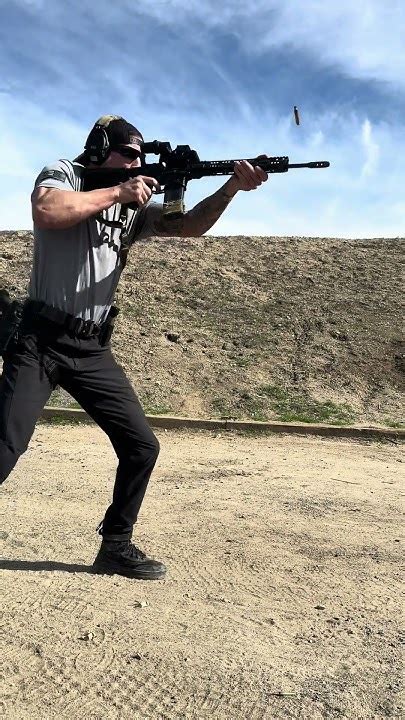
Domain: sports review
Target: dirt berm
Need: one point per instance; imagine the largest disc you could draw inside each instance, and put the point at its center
(256, 328)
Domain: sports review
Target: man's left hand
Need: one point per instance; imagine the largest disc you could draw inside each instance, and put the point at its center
(246, 177)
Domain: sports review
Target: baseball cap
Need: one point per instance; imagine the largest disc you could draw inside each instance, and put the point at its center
(118, 130)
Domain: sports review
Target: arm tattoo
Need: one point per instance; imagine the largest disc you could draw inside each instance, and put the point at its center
(198, 220)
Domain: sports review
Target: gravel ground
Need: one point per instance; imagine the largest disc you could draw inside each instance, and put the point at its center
(281, 598)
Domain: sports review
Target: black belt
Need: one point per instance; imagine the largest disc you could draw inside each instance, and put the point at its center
(75, 326)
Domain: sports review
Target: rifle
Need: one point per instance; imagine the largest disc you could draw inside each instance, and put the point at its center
(176, 167)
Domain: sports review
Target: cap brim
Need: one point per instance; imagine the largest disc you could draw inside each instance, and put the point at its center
(134, 146)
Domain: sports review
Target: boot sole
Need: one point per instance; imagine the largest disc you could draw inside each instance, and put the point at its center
(111, 569)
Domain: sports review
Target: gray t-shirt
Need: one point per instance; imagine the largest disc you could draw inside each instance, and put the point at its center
(77, 269)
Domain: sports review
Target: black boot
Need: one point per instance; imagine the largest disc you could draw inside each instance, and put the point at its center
(121, 557)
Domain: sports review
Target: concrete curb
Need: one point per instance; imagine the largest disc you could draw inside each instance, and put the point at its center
(181, 423)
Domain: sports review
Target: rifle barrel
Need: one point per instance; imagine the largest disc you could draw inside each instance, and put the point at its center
(314, 164)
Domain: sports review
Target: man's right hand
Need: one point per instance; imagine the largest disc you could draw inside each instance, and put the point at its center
(137, 190)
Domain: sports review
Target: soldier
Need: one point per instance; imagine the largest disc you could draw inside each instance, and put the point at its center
(81, 240)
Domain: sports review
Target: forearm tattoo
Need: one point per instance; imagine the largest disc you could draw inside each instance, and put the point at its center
(198, 220)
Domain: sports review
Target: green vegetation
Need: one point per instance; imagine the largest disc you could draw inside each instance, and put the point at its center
(221, 407)
(238, 405)
(259, 416)
(63, 420)
(156, 409)
(272, 401)
(263, 403)
(392, 423)
(302, 408)
(59, 400)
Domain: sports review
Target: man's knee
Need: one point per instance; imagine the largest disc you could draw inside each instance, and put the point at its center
(150, 450)
(137, 451)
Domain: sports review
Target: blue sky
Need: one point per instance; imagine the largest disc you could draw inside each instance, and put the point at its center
(223, 78)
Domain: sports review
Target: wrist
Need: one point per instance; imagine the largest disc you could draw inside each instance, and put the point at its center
(229, 189)
(116, 194)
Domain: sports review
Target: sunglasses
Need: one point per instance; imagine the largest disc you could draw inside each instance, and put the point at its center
(129, 152)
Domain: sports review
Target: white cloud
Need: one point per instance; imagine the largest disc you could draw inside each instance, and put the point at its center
(317, 139)
(353, 35)
(359, 195)
(363, 38)
(30, 137)
(371, 148)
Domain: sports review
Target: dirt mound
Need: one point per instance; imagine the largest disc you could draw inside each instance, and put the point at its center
(255, 327)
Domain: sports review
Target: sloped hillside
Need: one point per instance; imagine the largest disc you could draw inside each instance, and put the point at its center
(255, 327)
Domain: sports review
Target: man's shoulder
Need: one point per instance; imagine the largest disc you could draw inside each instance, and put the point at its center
(61, 174)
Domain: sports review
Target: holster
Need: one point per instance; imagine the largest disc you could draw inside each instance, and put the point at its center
(10, 321)
(108, 326)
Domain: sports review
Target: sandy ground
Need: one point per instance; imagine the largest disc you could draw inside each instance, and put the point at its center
(282, 598)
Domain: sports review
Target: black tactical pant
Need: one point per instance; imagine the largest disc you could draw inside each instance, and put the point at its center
(46, 356)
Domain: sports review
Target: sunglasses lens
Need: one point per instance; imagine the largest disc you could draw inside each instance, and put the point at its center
(130, 153)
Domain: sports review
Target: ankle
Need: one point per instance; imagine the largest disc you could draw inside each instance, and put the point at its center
(113, 536)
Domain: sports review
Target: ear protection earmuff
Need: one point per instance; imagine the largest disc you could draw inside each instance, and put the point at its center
(98, 145)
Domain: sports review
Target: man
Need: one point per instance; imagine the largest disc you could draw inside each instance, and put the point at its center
(81, 240)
